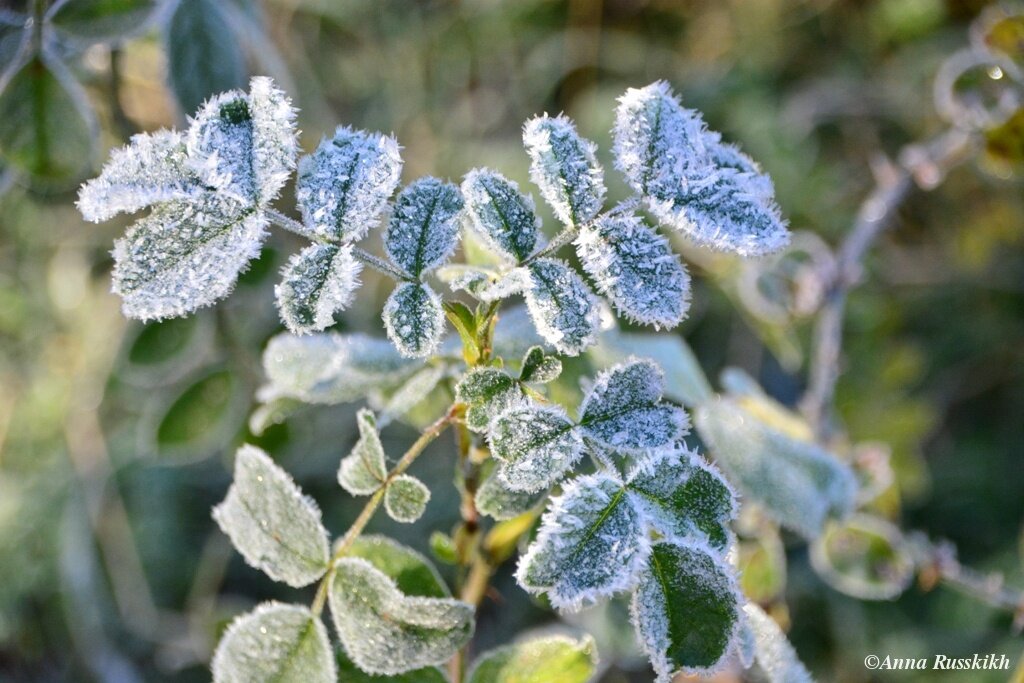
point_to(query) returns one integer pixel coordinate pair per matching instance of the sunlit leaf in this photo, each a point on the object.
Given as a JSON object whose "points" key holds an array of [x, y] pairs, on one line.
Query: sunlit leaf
{"points": [[538, 660], [501, 214], [564, 167], [406, 498]]}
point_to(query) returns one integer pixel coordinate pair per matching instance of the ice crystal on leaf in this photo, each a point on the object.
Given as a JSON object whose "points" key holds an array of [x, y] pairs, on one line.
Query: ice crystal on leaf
{"points": [[772, 651], [539, 368], [344, 186], [624, 410], [591, 545], [275, 643], [414, 319], [364, 470], [636, 269], [536, 445], [563, 309], [406, 499], [564, 167], [386, 631], [318, 282], [503, 216], [424, 228], [686, 610], [709, 191], [495, 499], [270, 522], [488, 392]]}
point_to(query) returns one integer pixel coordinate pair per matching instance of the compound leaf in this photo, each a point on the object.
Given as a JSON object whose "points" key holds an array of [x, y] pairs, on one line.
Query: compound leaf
{"points": [[623, 409], [591, 545], [365, 469], [414, 319], [686, 610], [539, 660], [344, 186], [500, 213], [535, 444], [424, 227], [385, 631], [562, 307], [274, 527], [275, 643], [564, 167], [318, 282], [406, 499]]}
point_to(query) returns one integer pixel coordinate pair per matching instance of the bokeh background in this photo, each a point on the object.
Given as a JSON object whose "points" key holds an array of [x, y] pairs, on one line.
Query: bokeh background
{"points": [[115, 438]]}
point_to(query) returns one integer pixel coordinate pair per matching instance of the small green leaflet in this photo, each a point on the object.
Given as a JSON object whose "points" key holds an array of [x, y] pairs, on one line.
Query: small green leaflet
{"points": [[501, 214], [406, 498], [318, 282], [364, 470], [547, 659], [539, 368], [488, 392], [535, 444], [414, 319]]}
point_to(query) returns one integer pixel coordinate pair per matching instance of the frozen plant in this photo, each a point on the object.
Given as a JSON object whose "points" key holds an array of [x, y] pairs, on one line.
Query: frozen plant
{"points": [[613, 500]]}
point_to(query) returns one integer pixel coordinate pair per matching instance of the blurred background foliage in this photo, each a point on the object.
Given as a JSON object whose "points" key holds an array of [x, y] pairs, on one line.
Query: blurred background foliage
{"points": [[115, 437]]}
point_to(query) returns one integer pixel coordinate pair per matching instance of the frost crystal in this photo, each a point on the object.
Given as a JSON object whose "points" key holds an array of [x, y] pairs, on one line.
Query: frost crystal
{"points": [[535, 444], [772, 651], [636, 269], [685, 610], [591, 545], [275, 643], [564, 310], [424, 228], [414, 319], [364, 470], [318, 282], [496, 499], [501, 214], [184, 255], [564, 167], [406, 499], [270, 522], [331, 367], [344, 186], [488, 392], [691, 181], [385, 631], [539, 368], [623, 409], [151, 169]]}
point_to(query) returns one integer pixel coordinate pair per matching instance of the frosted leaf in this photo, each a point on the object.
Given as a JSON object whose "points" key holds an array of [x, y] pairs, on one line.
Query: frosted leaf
{"points": [[365, 469], [563, 309], [412, 573], [538, 660], [275, 643], [799, 484], [624, 410], [184, 255], [343, 187], [495, 499], [536, 445], [414, 319], [500, 213], [488, 392], [564, 167], [691, 181], [461, 277], [406, 498], [686, 610], [591, 545], [411, 393], [684, 497], [539, 368], [685, 381], [636, 269], [424, 227], [772, 651], [270, 522], [151, 169], [508, 284], [244, 145], [318, 282], [348, 672], [331, 367], [385, 631]]}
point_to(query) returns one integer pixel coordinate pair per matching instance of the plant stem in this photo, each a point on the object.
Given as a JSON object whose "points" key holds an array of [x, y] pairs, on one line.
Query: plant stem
{"points": [[567, 235]]}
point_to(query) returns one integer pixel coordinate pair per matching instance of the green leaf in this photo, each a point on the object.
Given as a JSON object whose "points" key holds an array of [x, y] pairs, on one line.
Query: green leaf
{"points": [[540, 660], [275, 643], [414, 319], [348, 672], [47, 128], [592, 544], [201, 416], [685, 381], [774, 655], [799, 484], [275, 527], [364, 470], [101, 20], [685, 497], [411, 571], [535, 444], [406, 498], [488, 392], [864, 556], [464, 322], [539, 368], [443, 547], [384, 630], [204, 56], [685, 610], [495, 499], [318, 282]]}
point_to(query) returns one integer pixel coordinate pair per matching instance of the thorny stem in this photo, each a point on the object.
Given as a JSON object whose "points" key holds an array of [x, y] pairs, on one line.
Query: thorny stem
{"points": [[407, 459], [375, 262]]}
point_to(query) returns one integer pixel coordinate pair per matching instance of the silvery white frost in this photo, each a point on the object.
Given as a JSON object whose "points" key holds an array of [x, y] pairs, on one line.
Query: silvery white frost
{"points": [[502, 215], [318, 282], [564, 166], [365, 469], [406, 499]]}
